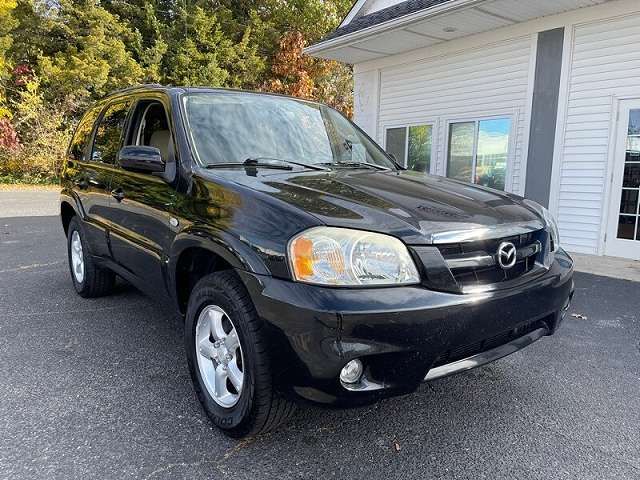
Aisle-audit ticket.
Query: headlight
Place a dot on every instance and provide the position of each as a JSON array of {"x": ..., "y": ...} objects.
[
  {"x": 340, "y": 256},
  {"x": 550, "y": 222}
]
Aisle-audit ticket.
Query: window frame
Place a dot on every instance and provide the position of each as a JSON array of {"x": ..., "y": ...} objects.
[
  {"x": 512, "y": 116},
  {"x": 406, "y": 125},
  {"x": 133, "y": 125}
]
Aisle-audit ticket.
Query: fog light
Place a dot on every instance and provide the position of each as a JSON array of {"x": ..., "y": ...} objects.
[{"x": 351, "y": 372}]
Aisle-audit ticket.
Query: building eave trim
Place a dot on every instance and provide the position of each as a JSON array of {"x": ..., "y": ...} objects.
[{"x": 399, "y": 22}]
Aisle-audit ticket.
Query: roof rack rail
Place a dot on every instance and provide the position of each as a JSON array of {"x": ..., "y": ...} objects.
[{"x": 137, "y": 87}]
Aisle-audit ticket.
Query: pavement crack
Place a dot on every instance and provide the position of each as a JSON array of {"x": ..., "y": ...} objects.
[
  {"x": 30, "y": 267},
  {"x": 215, "y": 463},
  {"x": 171, "y": 466}
]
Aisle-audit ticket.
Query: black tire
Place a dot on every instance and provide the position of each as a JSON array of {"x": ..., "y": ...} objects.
[
  {"x": 97, "y": 281},
  {"x": 259, "y": 408}
]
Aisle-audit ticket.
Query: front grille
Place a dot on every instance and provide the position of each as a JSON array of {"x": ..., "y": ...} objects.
[
  {"x": 475, "y": 263},
  {"x": 465, "y": 351}
]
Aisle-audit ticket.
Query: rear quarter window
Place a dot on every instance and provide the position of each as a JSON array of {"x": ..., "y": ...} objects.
[
  {"x": 78, "y": 145},
  {"x": 109, "y": 132}
]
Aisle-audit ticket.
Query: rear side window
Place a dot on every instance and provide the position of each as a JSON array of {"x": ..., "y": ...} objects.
[
  {"x": 109, "y": 133},
  {"x": 81, "y": 136}
]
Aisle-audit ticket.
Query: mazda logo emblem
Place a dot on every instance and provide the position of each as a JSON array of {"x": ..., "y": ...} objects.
[{"x": 507, "y": 255}]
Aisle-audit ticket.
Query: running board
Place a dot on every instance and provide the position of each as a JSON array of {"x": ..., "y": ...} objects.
[{"x": 486, "y": 357}]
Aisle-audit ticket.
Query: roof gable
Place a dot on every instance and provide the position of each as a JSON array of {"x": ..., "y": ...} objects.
[
  {"x": 354, "y": 22},
  {"x": 365, "y": 7}
]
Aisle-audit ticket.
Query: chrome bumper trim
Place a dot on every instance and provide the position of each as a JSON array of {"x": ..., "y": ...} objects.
[
  {"x": 364, "y": 385},
  {"x": 485, "y": 357}
]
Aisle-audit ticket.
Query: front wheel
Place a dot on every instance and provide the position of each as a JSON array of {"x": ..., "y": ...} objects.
[{"x": 228, "y": 361}]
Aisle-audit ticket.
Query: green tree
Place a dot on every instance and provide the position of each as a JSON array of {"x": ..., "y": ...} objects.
[
  {"x": 95, "y": 56},
  {"x": 58, "y": 56},
  {"x": 7, "y": 23},
  {"x": 202, "y": 53}
]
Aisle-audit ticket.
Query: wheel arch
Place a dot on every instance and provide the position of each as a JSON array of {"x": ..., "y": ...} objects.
[
  {"x": 197, "y": 253},
  {"x": 70, "y": 206}
]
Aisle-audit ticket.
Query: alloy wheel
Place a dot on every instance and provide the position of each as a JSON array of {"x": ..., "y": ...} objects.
[
  {"x": 219, "y": 356},
  {"x": 77, "y": 257}
]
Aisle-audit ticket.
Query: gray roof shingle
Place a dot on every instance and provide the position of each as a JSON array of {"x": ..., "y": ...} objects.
[{"x": 381, "y": 16}]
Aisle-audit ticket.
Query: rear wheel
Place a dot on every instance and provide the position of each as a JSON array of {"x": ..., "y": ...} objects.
[
  {"x": 88, "y": 279},
  {"x": 228, "y": 361}
]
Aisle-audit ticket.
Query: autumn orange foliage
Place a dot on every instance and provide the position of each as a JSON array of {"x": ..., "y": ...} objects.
[{"x": 297, "y": 74}]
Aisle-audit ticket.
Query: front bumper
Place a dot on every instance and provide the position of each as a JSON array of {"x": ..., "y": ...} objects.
[{"x": 403, "y": 335}]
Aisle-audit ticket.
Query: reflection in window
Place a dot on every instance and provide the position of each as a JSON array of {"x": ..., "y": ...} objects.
[
  {"x": 419, "y": 151},
  {"x": 461, "y": 140},
  {"x": 478, "y": 152},
  {"x": 82, "y": 134},
  {"x": 397, "y": 142},
  {"x": 411, "y": 146},
  {"x": 491, "y": 156},
  {"x": 232, "y": 127},
  {"x": 109, "y": 133}
]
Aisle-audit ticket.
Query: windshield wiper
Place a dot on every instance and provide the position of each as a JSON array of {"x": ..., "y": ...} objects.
[
  {"x": 257, "y": 161},
  {"x": 245, "y": 164},
  {"x": 358, "y": 165},
  {"x": 265, "y": 162}
]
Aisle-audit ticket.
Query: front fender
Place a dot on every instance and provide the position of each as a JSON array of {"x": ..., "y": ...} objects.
[{"x": 235, "y": 252}]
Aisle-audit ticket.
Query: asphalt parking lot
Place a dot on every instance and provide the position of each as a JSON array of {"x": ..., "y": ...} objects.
[{"x": 100, "y": 389}]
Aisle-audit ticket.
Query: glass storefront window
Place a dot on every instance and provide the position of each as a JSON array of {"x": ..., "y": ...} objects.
[
  {"x": 478, "y": 151},
  {"x": 411, "y": 146}
]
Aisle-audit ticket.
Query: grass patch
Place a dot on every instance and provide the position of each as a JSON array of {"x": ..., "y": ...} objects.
[{"x": 18, "y": 180}]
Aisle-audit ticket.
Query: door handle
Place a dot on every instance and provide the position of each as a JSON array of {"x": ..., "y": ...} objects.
[{"x": 118, "y": 194}]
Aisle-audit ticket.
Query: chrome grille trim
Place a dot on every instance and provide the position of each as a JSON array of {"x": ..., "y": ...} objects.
[
  {"x": 479, "y": 260},
  {"x": 475, "y": 268},
  {"x": 470, "y": 261},
  {"x": 477, "y": 233},
  {"x": 529, "y": 250}
]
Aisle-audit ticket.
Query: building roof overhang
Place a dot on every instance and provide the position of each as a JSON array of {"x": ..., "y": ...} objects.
[{"x": 415, "y": 24}]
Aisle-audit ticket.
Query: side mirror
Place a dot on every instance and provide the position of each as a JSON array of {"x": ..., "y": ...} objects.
[{"x": 141, "y": 158}]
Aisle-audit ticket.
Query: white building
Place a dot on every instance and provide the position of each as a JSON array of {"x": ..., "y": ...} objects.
[{"x": 539, "y": 97}]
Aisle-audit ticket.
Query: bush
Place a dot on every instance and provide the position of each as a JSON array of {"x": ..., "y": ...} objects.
[{"x": 41, "y": 141}]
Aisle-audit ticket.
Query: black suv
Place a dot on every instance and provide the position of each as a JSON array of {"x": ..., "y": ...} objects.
[{"x": 307, "y": 263}]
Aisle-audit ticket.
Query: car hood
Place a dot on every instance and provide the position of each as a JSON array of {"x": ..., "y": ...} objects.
[{"x": 415, "y": 207}]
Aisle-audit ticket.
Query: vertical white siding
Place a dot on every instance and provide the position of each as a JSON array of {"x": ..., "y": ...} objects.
[
  {"x": 365, "y": 100},
  {"x": 605, "y": 65},
  {"x": 482, "y": 82}
]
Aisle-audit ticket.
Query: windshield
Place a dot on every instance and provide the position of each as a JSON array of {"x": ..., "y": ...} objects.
[{"x": 233, "y": 127}]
